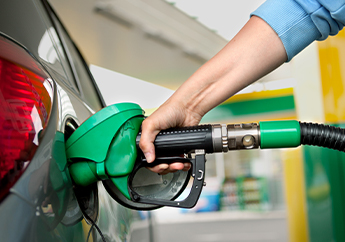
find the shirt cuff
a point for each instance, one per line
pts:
(290, 21)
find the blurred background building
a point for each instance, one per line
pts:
(142, 50)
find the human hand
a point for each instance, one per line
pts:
(170, 114)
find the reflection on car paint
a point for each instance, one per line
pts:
(46, 50)
(48, 192)
(66, 108)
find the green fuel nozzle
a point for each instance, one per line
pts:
(105, 147)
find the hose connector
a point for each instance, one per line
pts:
(280, 134)
(235, 136)
(243, 136)
(220, 138)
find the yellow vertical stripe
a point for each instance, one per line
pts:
(86, 229)
(332, 68)
(295, 195)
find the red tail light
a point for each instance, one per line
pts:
(25, 105)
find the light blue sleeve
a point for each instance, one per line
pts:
(299, 22)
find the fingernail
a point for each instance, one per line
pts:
(149, 157)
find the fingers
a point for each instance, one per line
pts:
(164, 169)
(186, 166)
(159, 168)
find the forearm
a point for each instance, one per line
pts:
(255, 51)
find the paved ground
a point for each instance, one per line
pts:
(222, 227)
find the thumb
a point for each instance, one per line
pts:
(148, 136)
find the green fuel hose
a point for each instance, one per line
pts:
(284, 134)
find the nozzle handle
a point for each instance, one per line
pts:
(183, 140)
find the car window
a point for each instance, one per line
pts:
(88, 88)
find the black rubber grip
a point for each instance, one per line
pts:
(183, 140)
